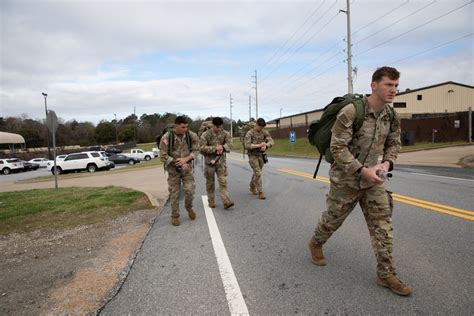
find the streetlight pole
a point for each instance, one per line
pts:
(45, 95)
(231, 132)
(116, 136)
(280, 112)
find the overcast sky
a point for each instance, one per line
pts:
(95, 59)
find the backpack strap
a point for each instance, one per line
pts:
(317, 167)
(189, 141)
(170, 142)
(360, 113)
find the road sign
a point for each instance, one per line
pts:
(52, 121)
(292, 137)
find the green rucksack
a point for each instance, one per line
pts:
(243, 131)
(170, 129)
(206, 125)
(319, 132)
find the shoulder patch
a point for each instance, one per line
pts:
(347, 115)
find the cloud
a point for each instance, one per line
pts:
(99, 58)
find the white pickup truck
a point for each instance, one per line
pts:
(141, 154)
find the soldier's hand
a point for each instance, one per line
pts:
(219, 149)
(369, 175)
(186, 167)
(385, 166)
(180, 161)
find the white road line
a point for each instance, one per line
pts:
(231, 286)
(431, 175)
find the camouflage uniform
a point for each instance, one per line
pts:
(180, 149)
(379, 135)
(255, 155)
(208, 142)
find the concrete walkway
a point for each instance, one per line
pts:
(443, 157)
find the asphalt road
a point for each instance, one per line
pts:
(183, 270)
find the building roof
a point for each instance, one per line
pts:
(10, 138)
(435, 85)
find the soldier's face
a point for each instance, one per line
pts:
(181, 128)
(385, 89)
(216, 128)
(258, 128)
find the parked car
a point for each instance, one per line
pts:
(123, 159)
(8, 166)
(42, 162)
(50, 163)
(112, 151)
(90, 161)
(29, 166)
(141, 154)
(105, 156)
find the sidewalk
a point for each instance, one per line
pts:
(442, 157)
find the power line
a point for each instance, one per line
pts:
(307, 30)
(433, 48)
(301, 46)
(380, 17)
(308, 64)
(415, 28)
(291, 37)
(397, 21)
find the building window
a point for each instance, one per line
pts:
(419, 97)
(399, 104)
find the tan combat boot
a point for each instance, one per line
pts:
(191, 214)
(175, 221)
(211, 203)
(228, 204)
(261, 196)
(316, 250)
(253, 191)
(395, 285)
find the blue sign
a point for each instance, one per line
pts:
(292, 137)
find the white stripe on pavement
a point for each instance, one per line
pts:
(231, 286)
(432, 175)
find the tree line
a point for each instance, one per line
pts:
(143, 129)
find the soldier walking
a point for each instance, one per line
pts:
(214, 144)
(354, 176)
(177, 149)
(257, 141)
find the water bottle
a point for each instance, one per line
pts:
(382, 174)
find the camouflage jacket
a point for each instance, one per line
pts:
(378, 135)
(254, 138)
(208, 142)
(180, 147)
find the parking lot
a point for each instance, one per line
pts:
(41, 172)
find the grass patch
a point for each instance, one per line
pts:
(429, 145)
(50, 209)
(302, 148)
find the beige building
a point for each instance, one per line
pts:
(446, 97)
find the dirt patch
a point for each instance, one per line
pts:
(68, 272)
(467, 162)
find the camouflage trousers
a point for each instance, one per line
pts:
(174, 187)
(256, 163)
(376, 204)
(221, 171)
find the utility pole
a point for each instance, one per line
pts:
(349, 47)
(250, 108)
(230, 99)
(46, 110)
(135, 124)
(256, 95)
